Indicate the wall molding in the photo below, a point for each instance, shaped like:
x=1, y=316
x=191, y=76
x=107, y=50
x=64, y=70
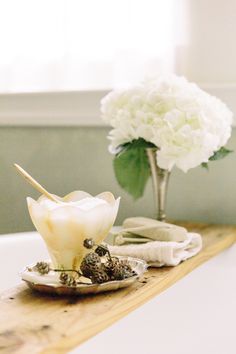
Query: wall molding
x=75, y=108
x=51, y=109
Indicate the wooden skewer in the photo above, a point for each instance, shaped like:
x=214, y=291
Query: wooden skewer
x=35, y=184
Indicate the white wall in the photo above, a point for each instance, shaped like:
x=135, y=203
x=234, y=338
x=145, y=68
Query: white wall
x=209, y=56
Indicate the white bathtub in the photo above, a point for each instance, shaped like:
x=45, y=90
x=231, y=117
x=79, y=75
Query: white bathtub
x=195, y=316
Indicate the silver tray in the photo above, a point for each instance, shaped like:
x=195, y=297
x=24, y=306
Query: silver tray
x=138, y=265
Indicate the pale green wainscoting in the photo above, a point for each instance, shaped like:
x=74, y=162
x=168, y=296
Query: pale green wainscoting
x=65, y=159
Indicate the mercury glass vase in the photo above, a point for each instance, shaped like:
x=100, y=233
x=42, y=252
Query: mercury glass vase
x=160, y=179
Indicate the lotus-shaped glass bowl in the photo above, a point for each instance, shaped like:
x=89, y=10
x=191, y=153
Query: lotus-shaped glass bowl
x=65, y=225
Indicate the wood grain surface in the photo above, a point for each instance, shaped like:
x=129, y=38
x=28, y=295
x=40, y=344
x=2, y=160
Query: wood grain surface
x=34, y=323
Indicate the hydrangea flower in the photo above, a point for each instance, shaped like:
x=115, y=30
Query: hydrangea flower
x=187, y=124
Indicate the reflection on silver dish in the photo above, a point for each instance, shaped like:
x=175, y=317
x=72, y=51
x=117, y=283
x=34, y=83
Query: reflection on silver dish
x=44, y=284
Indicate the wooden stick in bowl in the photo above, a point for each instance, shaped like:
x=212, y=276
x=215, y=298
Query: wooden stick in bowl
x=35, y=184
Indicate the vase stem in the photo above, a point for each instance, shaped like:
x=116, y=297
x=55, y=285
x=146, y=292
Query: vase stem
x=160, y=179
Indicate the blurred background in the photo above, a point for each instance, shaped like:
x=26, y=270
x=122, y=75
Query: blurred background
x=58, y=58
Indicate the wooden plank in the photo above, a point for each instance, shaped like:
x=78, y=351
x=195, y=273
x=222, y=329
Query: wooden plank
x=32, y=323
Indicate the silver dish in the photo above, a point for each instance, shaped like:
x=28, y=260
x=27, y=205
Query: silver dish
x=55, y=287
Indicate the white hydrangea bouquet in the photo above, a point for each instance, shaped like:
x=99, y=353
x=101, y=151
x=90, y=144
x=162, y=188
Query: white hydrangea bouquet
x=166, y=119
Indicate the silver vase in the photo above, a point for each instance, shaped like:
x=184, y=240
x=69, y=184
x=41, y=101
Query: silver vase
x=160, y=179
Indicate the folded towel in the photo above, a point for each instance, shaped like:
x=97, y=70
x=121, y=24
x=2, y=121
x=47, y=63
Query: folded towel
x=169, y=248
x=139, y=230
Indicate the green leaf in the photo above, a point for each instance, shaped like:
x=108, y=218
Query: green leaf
x=220, y=154
x=131, y=167
x=138, y=143
x=205, y=165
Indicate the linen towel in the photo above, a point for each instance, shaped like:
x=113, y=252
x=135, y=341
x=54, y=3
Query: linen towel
x=140, y=229
x=158, y=243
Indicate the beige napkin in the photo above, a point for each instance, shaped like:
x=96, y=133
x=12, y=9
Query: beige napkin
x=156, y=242
x=141, y=230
